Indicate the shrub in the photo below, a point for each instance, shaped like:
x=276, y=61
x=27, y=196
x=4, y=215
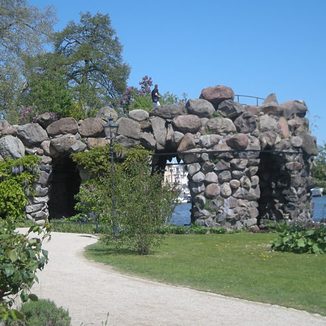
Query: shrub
x=193, y=229
x=141, y=202
x=43, y=313
x=217, y=230
x=21, y=255
x=300, y=238
x=16, y=179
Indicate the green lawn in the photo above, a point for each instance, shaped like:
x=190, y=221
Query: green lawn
x=239, y=265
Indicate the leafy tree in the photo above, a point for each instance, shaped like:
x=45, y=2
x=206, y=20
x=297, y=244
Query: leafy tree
x=142, y=202
x=319, y=168
x=95, y=70
x=24, y=29
x=47, y=87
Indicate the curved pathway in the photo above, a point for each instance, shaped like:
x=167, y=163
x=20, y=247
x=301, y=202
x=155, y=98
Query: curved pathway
x=90, y=291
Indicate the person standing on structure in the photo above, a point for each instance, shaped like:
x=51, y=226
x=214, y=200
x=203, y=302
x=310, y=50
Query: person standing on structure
x=155, y=97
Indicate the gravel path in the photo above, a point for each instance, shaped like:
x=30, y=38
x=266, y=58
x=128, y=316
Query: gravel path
x=90, y=291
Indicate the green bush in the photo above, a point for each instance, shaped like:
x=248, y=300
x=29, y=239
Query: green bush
x=141, y=202
x=21, y=255
x=193, y=229
x=217, y=230
x=299, y=238
x=42, y=313
x=16, y=180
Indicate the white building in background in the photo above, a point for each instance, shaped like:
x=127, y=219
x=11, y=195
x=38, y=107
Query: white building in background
x=177, y=176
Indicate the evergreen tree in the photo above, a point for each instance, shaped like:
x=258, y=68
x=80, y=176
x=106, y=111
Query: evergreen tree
x=95, y=70
x=47, y=88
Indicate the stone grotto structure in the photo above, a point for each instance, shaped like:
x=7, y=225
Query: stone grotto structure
x=246, y=164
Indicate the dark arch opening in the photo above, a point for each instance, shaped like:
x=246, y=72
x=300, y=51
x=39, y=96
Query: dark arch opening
x=64, y=185
x=273, y=181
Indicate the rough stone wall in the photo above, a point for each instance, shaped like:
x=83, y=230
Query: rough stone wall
x=247, y=164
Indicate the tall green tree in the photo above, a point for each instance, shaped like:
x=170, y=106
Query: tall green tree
x=24, y=29
x=95, y=69
x=47, y=87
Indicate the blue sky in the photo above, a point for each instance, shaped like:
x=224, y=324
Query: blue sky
x=254, y=46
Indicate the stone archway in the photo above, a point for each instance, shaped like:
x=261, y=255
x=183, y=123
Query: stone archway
x=218, y=139
x=64, y=184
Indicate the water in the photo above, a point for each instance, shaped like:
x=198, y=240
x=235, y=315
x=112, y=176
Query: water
x=319, y=208
x=181, y=213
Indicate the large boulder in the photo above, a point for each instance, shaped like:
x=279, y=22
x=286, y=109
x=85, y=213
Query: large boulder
x=245, y=123
x=230, y=109
x=217, y=94
x=187, y=123
x=187, y=143
x=210, y=140
x=45, y=119
x=168, y=111
x=159, y=130
x=309, y=144
x=271, y=99
x=238, y=141
x=211, y=177
x=177, y=137
x=267, y=123
x=11, y=147
x=270, y=105
x=193, y=168
x=198, y=177
x=147, y=140
x=200, y=107
x=138, y=115
x=91, y=127
x=63, y=126
x=62, y=145
x=6, y=128
x=294, y=108
x=129, y=128
x=107, y=113
x=220, y=126
x=126, y=141
x=212, y=190
x=32, y=134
